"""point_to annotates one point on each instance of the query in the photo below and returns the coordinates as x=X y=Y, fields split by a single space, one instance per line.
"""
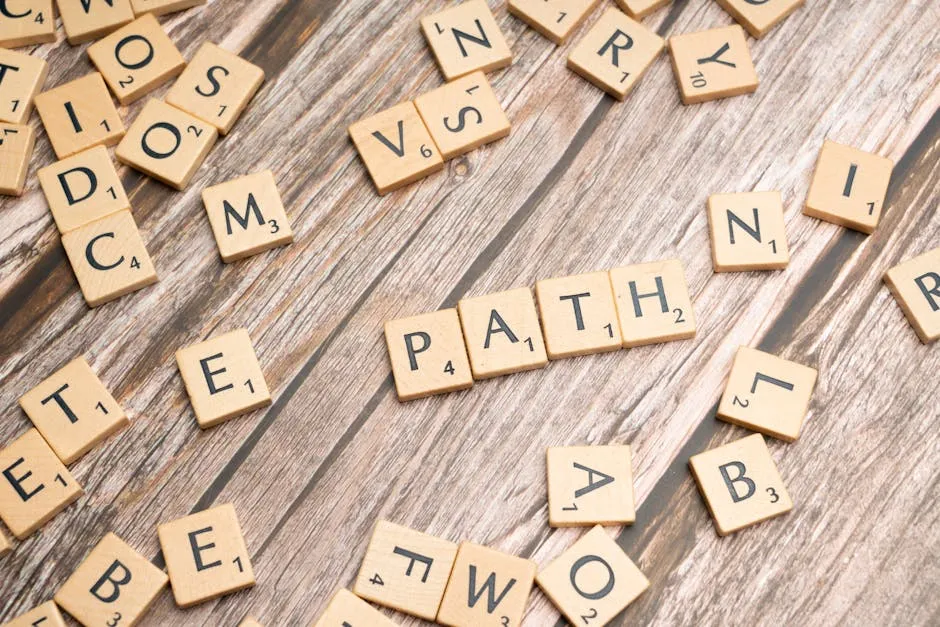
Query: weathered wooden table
x=583 y=183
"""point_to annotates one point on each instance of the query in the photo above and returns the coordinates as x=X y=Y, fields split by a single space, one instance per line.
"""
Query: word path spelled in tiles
x=593 y=581
x=740 y=484
x=590 y=485
x=759 y=16
x=553 y=19
x=34 y=484
x=22 y=77
x=428 y=354
x=747 y=231
x=915 y=284
x=638 y=9
x=653 y=303
x=115 y=584
x=206 y=556
x=712 y=64
x=162 y=7
x=86 y=20
x=346 y=608
x=465 y=38
x=45 y=615
x=78 y=115
x=16 y=147
x=31 y=22
x=578 y=314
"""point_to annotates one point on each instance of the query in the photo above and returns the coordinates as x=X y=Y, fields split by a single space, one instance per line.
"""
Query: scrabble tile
x=109 y=258
x=759 y=16
x=767 y=394
x=223 y=378
x=593 y=581
x=405 y=570
x=136 y=59
x=553 y=19
x=747 y=231
x=85 y=20
x=5 y=546
x=502 y=333
x=16 y=148
x=21 y=78
x=206 y=556
x=114 y=584
x=428 y=354
x=83 y=188
x=653 y=303
x=915 y=284
x=486 y=589
x=740 y=484
x=578 y=315
x=166 y=144
x=615 y=53
x=712 y=64
x=348 y=610
x=462 y=115
x=249 y=622
x=396 y=147
x=260 y=226
x=590 y=485
x=35 y=485
x=849 y=187
x=79 y=115
x=162 y=7
x=638 y=9
x=465 y=38
x=216 y=87
x=27 y=22
x=45 y=615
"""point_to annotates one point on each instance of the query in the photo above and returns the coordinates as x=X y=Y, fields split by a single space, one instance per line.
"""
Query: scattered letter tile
x=502 y=333
x=21 y=78
x=114 y=583
x=638 y=9
x=553 y=19
x=16 y=147
x=759 y=16
x=740 y=484
x=405 y=570
x=5 y=546
x=162 y=7
x=109 y=258
x=590 y=485
x=345 y=608
x=578 y=315
x=653 y=303
x=915 y=284
x=34 y=485
x=223 y=378
x=849 y=187
x=206 y=556
x=85 y=20
x=247 y=216
x=428 y=354
x=713 y=64
x=249 y=622
x=615 y=53
x=465 y=38
x=767 y=394
x=593 y=578
x=79 y=115
x=166 y=144
x=463 y=115
x=747 y=231
x=27 y=22
x=45 y=615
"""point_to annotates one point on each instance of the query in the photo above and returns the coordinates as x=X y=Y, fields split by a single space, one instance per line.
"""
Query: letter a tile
x=759 y=16
x=747 y=231
x=78 y=115
x=579 y=316
x=553 y=19
x=27 y=22
x=590 y=485
x=21 y=79
x=915 y=284
x=713 y=64
x=428 y=354
x=45 y=615
x=465 y=38
x=345 y=608
x=653 y=303
x=16 y=148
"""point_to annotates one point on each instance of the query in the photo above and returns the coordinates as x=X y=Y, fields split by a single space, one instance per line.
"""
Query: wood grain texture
x=583 y=183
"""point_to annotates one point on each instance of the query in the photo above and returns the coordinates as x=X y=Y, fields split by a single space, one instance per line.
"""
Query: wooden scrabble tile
x=615 y=53
x=85 y=20
x=45 y=615
x=653 y=303
x=578 y=315
x=849 y=187
x=162 y=7
x=396 y=147
x=260 y=226
x=114 y=584
x=712 y=64
x=465 y=38
x=83 y=188
x=593 y=581
x=249 y=622
x=5 y=546
x=79 y=115
x=21 y=78
x=35 y=485
x=348 y=610
x=486 y=589
x=166 y=144
x=405 y=569
x=206 y=556
x=502 y=333
x=109 y=258
x=136 y=59
x=759 y=16
x=638 y=9
x=428 y=354
x=27 y=22
x=216 y=87
x=767 y=393
x=223 y=378
x=590 y=485
x=16 y=147
x=915 y=284
x=747 y=231
x=553 y=19
x=462 y=115
x=740 y=484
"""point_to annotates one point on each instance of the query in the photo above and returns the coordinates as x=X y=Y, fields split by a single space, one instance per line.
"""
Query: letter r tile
x=915 y=284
